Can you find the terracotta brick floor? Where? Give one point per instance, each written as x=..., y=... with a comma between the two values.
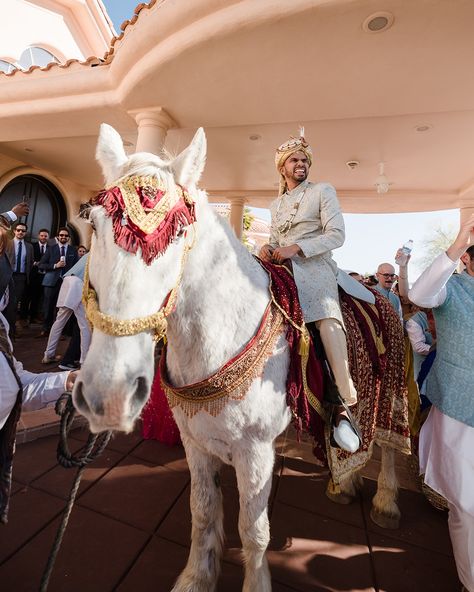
x=130, y=528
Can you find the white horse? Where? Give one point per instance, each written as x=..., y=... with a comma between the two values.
x=221, y=297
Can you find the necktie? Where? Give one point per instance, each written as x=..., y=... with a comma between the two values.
x=42, y=249
x=63, y=254
x=18, y=257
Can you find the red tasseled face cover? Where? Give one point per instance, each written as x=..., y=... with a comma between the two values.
x=145, y=215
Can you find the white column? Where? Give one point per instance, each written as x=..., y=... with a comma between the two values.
x=237, y=215
x=153, y=125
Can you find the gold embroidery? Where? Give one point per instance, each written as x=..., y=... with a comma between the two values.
x=146, y=219
x=379, y=344
x=231, y=382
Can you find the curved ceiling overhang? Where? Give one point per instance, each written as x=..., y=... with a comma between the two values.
x=315, y=54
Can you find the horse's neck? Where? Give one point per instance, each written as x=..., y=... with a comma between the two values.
x=222, y=298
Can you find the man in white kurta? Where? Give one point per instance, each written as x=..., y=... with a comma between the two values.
x=70, y=302
x=39, y=390
x=447, y=436
x=307, y=224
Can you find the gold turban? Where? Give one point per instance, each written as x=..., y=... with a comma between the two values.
x=287, y=149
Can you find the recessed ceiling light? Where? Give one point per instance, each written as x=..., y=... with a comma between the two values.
x=29, y=150
x=352, y=164
x=424, y=127
x=255, y=137
x=378, y=22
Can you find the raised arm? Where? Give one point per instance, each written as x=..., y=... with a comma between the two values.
x=429, y=290
x=402, y=273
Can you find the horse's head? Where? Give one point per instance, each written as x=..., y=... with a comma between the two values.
x=140, y=223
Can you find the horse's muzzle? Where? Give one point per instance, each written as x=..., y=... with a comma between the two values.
x=111, y=411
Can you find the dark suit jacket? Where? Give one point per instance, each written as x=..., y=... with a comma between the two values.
x=36, y=259
x=37, y=251
x=51, y=257
x=6, y=273
x=29, y=259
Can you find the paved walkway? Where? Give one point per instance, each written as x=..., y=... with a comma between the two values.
x=130, y=528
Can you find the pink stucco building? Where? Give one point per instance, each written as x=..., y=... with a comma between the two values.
x=371, y=82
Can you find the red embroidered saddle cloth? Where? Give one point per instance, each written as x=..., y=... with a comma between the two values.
x=305, y=381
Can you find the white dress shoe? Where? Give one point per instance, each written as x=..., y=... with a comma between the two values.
x=345, y=436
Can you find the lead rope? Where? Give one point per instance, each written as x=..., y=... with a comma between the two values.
x=93, y=448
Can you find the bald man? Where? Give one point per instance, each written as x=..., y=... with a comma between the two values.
x=386, y=277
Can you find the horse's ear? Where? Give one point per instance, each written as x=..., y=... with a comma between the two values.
x=110, y=152
x=188, y=166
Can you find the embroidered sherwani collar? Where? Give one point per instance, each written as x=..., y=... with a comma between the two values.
x=297, y=190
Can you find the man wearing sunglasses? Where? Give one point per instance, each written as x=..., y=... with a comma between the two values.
x=21, y=272
x=386, y=277
x=57, y=260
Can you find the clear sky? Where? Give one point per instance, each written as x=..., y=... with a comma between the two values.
x=120, y=10
x=370, y=238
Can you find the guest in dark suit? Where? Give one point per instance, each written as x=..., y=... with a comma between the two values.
x=58, y=259
x=7, y=259
x=37, y=275
x=22, y=267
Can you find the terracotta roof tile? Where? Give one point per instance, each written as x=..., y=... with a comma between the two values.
x=92, y=60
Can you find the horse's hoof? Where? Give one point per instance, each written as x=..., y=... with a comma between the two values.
x=385, y=520
x=340, y=498
x=336, y=495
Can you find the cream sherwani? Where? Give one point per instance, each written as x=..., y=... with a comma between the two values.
x=317, y=228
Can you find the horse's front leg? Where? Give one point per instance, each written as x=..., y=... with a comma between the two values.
x=254, y=466
x=203, y=566
x=385, y=512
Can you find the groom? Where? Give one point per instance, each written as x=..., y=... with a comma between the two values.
x=306, y=225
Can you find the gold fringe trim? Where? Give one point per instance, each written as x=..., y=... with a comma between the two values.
x=231, y=383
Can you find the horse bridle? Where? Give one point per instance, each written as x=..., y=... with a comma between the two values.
x=156, y=322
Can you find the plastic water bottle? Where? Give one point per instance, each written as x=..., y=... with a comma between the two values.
x=407, y=247
x=405, y=251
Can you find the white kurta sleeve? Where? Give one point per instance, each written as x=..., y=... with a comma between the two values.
x=40, y=389
x=417, y=338
x=332, y=223
x=8, y=390
x=11, y=215
x=429, y=290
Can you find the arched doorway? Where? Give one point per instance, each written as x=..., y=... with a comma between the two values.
x=47, y=208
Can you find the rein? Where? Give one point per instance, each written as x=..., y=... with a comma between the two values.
x=93, y=448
